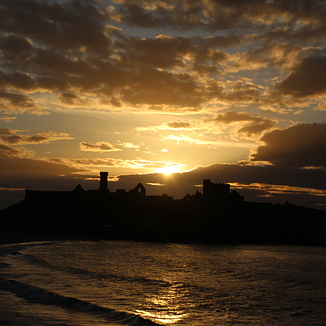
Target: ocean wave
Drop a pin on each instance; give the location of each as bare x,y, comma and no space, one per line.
41,296
86,273
147,284
10,249
15,248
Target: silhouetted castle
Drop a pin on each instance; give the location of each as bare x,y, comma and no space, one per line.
212,192
216,215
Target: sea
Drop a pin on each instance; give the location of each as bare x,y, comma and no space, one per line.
85,283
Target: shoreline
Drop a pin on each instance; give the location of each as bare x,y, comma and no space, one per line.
16,237
12,237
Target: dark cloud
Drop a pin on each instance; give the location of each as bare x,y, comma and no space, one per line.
254,124
53,71
136,15
41,176
74,25
272,53
218,14
15,47
164,51
307,79
257,128
17,80
8,151
231,40
230,117
303,34
301,145
70,48
156,87
17,167
12,102
73,99
181,15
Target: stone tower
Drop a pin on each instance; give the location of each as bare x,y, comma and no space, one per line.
104,181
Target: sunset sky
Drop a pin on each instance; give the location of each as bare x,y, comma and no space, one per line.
230,90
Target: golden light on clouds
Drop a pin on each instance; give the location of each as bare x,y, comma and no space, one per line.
162,86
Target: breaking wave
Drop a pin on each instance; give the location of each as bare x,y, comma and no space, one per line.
41,296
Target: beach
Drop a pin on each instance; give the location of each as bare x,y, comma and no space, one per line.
51,280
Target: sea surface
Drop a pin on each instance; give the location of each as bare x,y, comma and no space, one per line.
133,283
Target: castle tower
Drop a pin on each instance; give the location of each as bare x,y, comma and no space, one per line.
215,191
104,181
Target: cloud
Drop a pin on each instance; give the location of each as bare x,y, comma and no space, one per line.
271,189
11,141
97,147
17,81
230,117
222,14
266,53
248,124
87,62
15,47
257,128
14,137
129,145
166,52
301,145
90,163
254,124
72,25
215,143
9,151
179,125
93,165
227,129
67,54
8,119
321,106
306,79
173,125
41,176
184,138
12,102
74,100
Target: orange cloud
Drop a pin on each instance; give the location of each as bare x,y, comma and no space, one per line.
13,137
97,147
254,124
13,102
86,58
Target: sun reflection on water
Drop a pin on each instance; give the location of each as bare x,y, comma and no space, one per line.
164,307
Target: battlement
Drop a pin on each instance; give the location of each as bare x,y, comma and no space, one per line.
215,190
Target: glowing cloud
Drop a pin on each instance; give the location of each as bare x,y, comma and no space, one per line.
97,147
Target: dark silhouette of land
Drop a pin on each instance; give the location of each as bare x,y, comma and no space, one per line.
217,215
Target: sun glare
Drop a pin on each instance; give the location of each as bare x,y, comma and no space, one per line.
167,170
